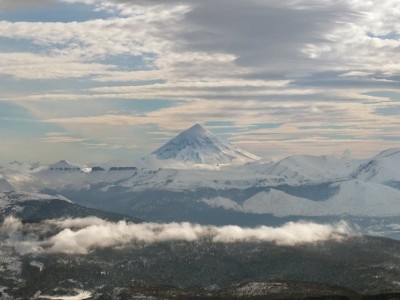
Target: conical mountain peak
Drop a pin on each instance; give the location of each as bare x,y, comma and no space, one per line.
198,145
197,129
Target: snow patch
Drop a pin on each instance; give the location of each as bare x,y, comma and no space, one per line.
80,296
223,202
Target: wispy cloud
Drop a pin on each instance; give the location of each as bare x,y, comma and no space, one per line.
53,137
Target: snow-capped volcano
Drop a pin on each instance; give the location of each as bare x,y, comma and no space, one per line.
198,145
63,165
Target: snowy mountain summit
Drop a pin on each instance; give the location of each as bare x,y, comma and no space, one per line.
198,145
63,165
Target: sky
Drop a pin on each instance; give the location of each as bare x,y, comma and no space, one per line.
103,80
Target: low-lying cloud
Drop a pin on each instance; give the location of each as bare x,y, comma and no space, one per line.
83,235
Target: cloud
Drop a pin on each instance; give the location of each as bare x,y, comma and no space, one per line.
11,235
81,236
326,62
77,223
192,39
39,67
55,138
228,38
11,226
262,33
303,125
290,234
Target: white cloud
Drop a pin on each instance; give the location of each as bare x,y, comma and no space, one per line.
33,66
10,226
61,138
191,38
81,236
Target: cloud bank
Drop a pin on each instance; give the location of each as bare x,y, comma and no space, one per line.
83,235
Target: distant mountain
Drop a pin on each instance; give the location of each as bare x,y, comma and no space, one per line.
364,192
198,145
63,165
382,168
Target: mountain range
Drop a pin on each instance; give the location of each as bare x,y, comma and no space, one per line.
196,177
201,219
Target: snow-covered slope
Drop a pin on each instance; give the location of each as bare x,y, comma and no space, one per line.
382,168
353,198
305,168
18,180
295,186
198,145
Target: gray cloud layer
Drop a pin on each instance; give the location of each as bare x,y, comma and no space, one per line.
258,33
80,236
261,33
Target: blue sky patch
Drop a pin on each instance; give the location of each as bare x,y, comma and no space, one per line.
393,35
388,111
15,119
